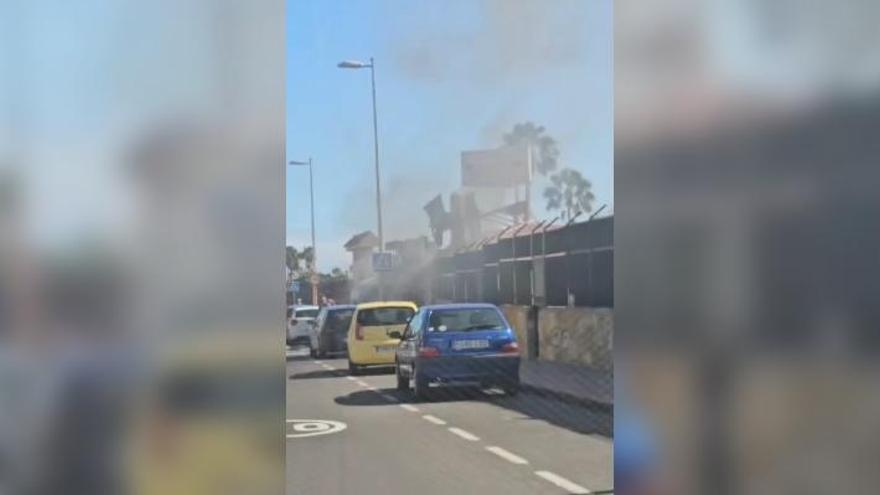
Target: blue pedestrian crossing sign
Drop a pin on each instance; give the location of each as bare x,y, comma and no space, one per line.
383,262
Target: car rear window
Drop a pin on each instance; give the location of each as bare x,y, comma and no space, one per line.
338,321
307,313
465,320
384,316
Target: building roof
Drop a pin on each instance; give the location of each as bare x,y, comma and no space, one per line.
363,240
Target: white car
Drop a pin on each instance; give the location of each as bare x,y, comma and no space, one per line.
300,324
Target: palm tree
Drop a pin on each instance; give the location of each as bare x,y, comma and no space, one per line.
571,193
543,145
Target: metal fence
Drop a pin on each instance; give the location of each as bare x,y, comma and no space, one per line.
572,265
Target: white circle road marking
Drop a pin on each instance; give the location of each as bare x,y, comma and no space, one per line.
507,455
563,483
313,427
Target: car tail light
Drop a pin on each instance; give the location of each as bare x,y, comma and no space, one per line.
428,352
510,348
359,332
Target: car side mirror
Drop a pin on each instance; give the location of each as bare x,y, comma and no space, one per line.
395,335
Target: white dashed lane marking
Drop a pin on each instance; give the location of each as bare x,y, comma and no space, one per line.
507,455
434,419
464,434
563,483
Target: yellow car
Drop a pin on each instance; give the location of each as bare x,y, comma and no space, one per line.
375,332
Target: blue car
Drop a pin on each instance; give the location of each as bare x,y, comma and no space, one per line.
457,345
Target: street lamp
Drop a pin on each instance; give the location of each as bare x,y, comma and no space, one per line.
356,64
314,279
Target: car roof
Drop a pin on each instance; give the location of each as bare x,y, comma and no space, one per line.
386,304
460,306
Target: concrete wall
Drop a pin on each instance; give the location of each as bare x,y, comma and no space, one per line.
581,336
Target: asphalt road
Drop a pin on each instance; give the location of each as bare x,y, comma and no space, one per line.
385,442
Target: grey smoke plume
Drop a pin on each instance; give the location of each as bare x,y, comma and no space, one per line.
514,41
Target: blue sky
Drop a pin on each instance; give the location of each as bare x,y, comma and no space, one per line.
450,76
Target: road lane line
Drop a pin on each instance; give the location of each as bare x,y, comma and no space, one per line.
507,455
362,383
389,398
351,378
563,483
319,362
434,419
464,434
409,407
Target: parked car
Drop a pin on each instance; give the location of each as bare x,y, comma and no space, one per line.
374,333
456,345
299,325
331,330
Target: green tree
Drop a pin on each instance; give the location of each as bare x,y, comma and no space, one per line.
570,193
292,259
297,261
543,146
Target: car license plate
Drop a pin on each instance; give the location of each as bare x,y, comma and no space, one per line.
386,348
460,345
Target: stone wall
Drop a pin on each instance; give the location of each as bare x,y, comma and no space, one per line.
581,336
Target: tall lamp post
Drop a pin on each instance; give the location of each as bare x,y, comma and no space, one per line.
314,278
355,64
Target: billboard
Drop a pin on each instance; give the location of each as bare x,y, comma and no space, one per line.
508,166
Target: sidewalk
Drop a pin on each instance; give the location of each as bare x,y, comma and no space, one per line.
568,382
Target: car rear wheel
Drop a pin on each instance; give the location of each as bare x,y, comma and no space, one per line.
420,385
511,388
402,381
